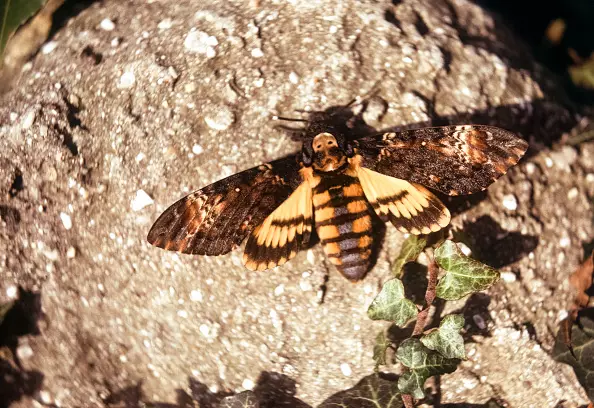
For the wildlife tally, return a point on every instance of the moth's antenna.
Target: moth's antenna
(275, 117)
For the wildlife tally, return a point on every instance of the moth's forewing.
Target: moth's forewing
(451, 159)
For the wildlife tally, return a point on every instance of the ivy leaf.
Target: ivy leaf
(411, 249)
(582, 339)
(464, 275)
(390, 304)
(422, 363)
(379, 349)
(447, 340)
(13, 14)
(246, 399)
(373, 391)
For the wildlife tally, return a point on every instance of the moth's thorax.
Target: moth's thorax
(328, 156)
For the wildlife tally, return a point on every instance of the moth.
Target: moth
(335, 187)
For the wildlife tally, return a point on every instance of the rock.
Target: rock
(135, 129)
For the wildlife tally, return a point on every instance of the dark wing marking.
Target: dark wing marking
(410, 207)
(283, 233)
(217, 218)
(452, 159)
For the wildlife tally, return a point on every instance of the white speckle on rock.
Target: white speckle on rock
(464, 248)
(257, 53)
(346, 369)
(127, 80)
(508, 276)
(548, 162)
(52, 255)
(139, 157)
(510, 202)
(197, 149)
(469, 383)
(66, 220)
(210, 53)
(408, 60)
(562, 315)
(45, 397)
(196, 296)
(205, 330)
(200, 42)
(530, 168)
(479, 321)
(28, 119)
(182, 313)
(279, 290)
(259, 83)
(13, 116)
(305, 285)
(572, 193)
(333, 29)
(165, 24)
(48, 47)
(220, 119)
(71, 253)
(141, 200)
(11, 292)
(293, 78)
(107, 25)
(248, 384)
(311, 258)
(565, 242)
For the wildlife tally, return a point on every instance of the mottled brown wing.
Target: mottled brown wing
(217, 218)
(451, 159)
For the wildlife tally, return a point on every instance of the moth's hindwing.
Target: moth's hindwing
(283, 233)
(410, 207)
(451, 159)
(218, 217)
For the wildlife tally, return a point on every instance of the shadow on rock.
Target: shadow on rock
(21, 319)
(16, 383)
(476, 316)
(493, 245)
(492, 403)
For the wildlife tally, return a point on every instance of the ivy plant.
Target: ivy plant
(427, 353)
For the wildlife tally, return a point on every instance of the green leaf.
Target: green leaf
(373, 391)
(4, 308)
(246, 399)
(582, 339)
(464, 275)
(390, 304)
(379, 349)
(410, 251)
(447, 340)
(422, 363)
(13, 13)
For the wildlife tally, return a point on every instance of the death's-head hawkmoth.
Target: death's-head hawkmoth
(335, 187)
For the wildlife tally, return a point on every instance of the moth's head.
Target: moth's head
(326, 152)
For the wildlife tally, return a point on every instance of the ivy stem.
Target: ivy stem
(407, 399)
(429, 298)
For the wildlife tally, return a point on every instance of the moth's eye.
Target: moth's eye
(319, 146)
(330, 142)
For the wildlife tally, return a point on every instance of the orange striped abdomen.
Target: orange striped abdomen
(343, 223)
